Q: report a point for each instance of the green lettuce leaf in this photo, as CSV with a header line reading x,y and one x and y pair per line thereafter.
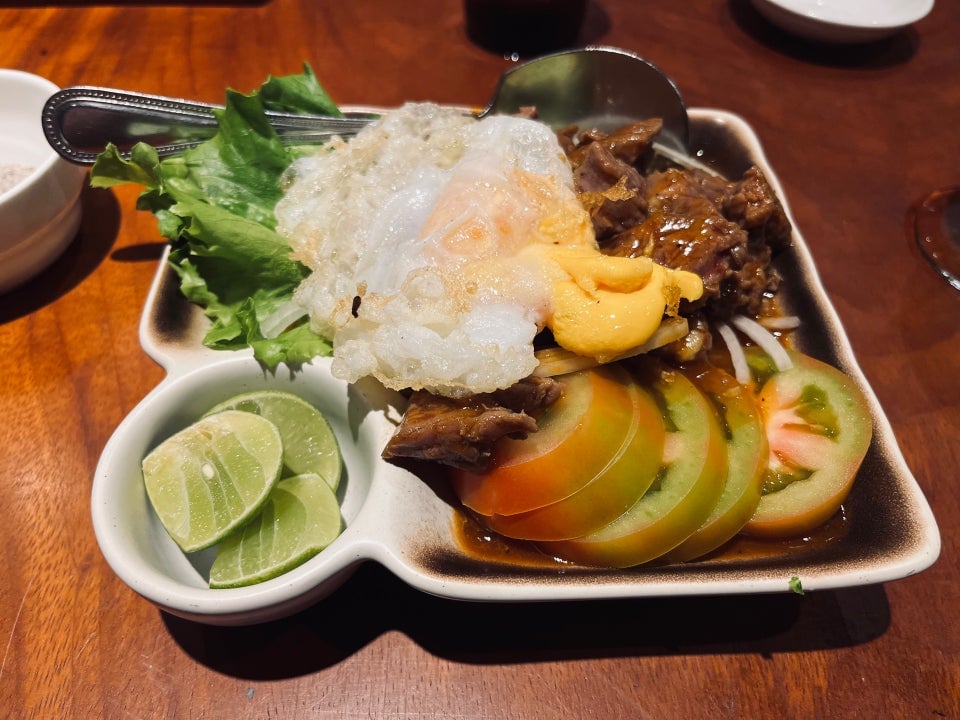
x,y
215,203
298,94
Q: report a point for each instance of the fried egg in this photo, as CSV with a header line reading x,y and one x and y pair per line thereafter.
x,y
440,245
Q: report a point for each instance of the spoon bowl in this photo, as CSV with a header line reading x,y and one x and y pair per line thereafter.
x,y
597,86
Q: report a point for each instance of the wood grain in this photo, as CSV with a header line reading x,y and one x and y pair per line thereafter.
x,y
856,134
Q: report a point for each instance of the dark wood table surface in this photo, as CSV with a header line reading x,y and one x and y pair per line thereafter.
x,y
855,134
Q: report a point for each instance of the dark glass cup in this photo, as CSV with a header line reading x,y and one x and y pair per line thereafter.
x,y
524,27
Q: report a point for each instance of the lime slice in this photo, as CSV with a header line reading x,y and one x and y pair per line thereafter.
x,y
309,445
210,478
299,519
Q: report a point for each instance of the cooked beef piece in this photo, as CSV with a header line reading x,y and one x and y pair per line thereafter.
x,y
605,172
530,395
567,137
461,433
750,202
753,204
724,231
685,228
628,143
610,190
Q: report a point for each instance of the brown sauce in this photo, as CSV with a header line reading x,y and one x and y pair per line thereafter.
x,y
482,544
743,547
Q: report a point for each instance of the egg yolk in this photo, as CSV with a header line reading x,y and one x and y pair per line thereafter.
x,y
604,306
601,305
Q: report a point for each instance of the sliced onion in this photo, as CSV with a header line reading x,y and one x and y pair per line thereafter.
x,y
684,160
559,361
740,368
786,322
767,342
281,318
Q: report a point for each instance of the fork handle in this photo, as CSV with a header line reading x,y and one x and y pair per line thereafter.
x,y
80,121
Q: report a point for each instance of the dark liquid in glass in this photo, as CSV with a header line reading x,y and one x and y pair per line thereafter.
x,y
524,27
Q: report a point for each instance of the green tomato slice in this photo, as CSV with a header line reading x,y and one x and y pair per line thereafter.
x,y
575,440
747,454
694,470
819,428
625,478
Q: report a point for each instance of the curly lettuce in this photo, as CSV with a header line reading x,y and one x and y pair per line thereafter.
x,y
215,204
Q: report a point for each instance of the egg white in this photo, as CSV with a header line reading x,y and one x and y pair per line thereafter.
x,y
423,217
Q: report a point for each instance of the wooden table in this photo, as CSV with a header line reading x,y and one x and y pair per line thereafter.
x,y
856,134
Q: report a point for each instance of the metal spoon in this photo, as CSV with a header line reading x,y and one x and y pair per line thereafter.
x,y
596,86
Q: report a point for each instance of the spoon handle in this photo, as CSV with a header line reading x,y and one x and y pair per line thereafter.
x,y
80,121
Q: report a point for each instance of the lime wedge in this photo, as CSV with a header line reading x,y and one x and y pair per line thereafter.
x,y
210,478
299,519
309,445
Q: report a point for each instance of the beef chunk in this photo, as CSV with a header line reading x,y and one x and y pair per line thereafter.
x,y
462,432
686,228
567,137
752,203
628,143
605,172
610,190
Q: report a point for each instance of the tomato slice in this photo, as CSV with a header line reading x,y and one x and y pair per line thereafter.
x,y
688,486
819,428
575,440
747,453
627,476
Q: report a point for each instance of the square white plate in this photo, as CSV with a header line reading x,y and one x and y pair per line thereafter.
x,y
407,522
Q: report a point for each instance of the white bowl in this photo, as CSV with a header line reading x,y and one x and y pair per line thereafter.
x,y
843,21
139,549
40,214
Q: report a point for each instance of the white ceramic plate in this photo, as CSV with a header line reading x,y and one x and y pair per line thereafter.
x,y
406,522
843,21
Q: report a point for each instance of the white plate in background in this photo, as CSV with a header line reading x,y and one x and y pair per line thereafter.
x,y
843,21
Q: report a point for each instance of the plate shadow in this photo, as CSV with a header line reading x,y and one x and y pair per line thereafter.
x,y
374,602
99,226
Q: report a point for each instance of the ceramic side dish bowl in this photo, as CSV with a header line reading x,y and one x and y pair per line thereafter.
x,y
39,191
843,21
409,524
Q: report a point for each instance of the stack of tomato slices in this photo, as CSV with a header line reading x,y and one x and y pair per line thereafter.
x,y
643,461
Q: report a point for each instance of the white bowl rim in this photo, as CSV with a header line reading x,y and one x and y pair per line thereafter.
x,y
910,12
52,158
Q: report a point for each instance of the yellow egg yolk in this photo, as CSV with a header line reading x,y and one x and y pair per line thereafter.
x,y
604,306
